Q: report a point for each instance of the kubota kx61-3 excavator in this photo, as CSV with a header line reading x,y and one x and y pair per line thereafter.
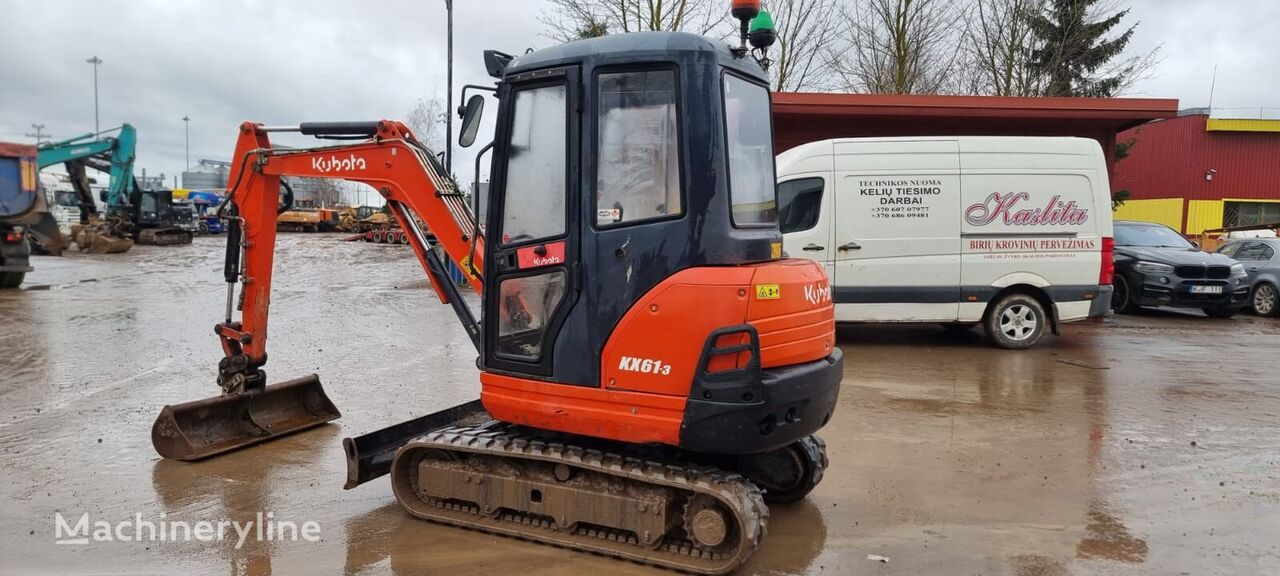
x,y
653,369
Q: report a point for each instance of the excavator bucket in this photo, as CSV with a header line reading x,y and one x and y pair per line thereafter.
x,y
164,236
204,428
46,238
96,238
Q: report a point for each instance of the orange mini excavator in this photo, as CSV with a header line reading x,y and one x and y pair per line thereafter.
x,y
653,369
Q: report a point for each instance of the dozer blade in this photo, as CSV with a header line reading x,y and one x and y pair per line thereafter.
x,y
164,236
369,456
204,428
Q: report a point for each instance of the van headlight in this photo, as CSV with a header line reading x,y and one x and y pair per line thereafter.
x,y
1237,269
1153,268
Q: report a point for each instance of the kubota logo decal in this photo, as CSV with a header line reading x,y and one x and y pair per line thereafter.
x,y
817,293
644,365
1001,206
334,163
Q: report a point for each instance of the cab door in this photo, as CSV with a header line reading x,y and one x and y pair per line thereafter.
x,y
532,246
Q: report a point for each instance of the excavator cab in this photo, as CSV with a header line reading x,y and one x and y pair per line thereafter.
x,y
652,367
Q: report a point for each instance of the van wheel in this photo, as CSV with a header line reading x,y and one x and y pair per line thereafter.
x,y
1121,299
1017,321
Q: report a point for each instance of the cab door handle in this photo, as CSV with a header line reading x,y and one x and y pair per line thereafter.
x,y
850,246
811,247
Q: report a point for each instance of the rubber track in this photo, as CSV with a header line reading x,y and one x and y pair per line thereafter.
x,y
743,498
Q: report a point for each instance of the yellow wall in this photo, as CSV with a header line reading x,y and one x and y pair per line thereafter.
x,y
1167,211
1203,215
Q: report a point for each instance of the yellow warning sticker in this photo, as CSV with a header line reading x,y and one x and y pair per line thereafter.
x,y
768,292
775,250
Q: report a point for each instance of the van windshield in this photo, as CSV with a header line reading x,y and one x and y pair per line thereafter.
x,y
1151,236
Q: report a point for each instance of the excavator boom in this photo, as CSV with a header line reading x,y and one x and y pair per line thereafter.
x,y
413,183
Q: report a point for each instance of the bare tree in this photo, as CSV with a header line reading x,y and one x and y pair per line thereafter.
x,y
576,19
426,118
807,31
999,40
901,47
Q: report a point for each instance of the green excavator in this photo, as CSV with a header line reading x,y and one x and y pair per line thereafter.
x,y
133,214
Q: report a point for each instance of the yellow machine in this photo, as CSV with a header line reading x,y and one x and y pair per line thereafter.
x,y
298,220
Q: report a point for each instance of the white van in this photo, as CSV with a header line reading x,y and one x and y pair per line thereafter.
x,y
1011,232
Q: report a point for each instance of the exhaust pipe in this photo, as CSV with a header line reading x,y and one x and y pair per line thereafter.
x,y
212,426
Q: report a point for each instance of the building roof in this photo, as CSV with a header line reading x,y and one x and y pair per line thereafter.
x,y
801,117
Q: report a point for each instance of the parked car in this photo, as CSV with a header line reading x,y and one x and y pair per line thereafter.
x,y
1156,266
1261,259
1013,233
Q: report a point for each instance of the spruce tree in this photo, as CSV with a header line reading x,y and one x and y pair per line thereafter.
x,y
1073,48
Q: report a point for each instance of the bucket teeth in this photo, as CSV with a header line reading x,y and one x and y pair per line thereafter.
x,y
204,428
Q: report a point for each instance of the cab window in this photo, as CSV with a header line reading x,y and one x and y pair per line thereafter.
x,y
533,205
749,142
638,174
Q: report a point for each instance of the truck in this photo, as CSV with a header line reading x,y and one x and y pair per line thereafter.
x,y
204,206
21,204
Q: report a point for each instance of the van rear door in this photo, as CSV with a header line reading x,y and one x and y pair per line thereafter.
x,y
1035,212
897,234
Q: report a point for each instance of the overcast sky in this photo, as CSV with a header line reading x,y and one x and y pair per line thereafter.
x,y
281,62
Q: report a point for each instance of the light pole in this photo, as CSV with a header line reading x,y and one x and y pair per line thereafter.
x,y
39,135
186,123
448,106
95,61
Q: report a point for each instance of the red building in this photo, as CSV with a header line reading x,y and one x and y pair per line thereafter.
x,y
1195,173
807,117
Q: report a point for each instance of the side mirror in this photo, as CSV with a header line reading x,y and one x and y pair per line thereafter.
x,y
1196,244
471,120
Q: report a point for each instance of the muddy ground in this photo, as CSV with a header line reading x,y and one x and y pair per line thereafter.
x,y
1143,445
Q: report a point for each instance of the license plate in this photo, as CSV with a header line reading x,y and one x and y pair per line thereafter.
x,y
1206,289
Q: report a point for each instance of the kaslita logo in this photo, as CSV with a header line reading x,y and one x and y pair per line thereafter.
x,y
1005,207
336,164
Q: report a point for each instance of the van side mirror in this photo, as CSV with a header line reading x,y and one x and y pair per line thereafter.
x,y
1196,244
471,120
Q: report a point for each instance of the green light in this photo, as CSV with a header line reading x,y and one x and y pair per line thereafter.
x,y
762,21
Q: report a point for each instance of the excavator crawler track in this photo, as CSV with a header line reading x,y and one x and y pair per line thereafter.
x,y
497,479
